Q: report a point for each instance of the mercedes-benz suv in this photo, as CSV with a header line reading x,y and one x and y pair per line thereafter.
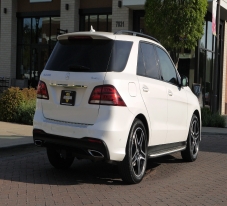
x,y
116,98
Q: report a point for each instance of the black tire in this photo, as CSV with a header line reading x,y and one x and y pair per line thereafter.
x,y
59,160
190,154
133,167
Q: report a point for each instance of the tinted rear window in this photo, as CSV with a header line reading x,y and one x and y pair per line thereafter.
x,y
89,56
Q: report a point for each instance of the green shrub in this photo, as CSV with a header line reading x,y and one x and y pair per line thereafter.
x,y
29,94
17,105
25,112
211,120
9,101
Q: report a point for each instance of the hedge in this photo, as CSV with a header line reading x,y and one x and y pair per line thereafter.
x,y
18,105
211,120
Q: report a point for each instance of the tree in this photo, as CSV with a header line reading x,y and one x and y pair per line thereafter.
x,y
177,24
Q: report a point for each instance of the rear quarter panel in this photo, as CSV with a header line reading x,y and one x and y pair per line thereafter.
x,y
127,80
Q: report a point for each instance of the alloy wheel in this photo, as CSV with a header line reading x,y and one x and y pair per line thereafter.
x,y
138,154
194,133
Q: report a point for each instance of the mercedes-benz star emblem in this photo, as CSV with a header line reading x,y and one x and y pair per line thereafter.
x,y
67,76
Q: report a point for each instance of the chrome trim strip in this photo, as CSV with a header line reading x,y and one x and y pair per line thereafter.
x,y
67,85
90,152
168,152
68,123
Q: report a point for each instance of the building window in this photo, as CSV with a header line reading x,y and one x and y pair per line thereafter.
x,y
206,63
98,22
36,39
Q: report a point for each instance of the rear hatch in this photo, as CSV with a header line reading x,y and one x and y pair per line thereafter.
x,y
77,64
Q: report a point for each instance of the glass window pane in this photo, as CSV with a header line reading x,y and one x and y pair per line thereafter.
x,y
55,26
26,35
102,22
140,63
203,39
75,55
209,36
120,54
44,30
207,86
86,23
167,68
24,63
35,25
202,72
89,56
142,25
94,22
152,70
109,23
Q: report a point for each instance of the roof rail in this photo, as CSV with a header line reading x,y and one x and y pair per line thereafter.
x,y
136,34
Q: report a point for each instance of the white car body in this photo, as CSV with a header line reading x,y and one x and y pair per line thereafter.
x,y
166,108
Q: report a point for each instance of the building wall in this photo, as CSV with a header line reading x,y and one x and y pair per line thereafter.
x,y
8,39
121,17
91,4
26,6
70,17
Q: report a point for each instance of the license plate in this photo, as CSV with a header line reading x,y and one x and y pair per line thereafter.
x,y
68,97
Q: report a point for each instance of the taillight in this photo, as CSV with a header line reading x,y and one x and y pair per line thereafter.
x,y
42,92
106,95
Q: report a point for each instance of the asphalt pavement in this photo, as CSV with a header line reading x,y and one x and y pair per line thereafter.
x,y
12,135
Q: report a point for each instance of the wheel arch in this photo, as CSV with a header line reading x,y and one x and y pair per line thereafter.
x,y
142,118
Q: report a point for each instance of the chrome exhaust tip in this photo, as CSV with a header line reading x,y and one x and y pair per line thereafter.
x,y
38,143
95,153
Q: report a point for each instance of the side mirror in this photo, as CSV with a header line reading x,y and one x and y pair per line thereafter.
x,y
184,81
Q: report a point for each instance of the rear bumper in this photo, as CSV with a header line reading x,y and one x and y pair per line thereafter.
x,y
81,148
112,127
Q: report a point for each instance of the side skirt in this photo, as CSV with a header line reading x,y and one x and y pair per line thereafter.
x,y
160,150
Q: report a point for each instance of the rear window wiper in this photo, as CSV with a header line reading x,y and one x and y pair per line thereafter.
x,y
78,68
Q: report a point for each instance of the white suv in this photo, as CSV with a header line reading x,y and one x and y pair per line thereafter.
x,y
117,98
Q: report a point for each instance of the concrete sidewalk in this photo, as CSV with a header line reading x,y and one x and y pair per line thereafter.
x,y
15,134
12,134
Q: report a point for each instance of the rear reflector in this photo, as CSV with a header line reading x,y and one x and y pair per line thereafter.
x,y
94,140
106,95
42,92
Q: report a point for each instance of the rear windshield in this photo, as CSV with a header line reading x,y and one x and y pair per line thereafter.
x,y
89,55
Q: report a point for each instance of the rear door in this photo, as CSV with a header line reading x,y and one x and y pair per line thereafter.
x,y
75,67
153,92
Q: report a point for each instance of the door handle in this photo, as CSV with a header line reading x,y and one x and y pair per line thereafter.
x,y
170,93
145,89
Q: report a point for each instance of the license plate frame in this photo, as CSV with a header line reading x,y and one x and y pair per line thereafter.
x,y
68,98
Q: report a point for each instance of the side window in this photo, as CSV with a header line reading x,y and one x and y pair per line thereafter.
x,y
150,62
167,68
140,63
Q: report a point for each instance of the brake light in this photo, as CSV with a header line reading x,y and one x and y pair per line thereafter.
x,y
106,95
42,92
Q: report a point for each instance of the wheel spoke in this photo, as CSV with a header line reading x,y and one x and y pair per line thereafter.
x,y
136,141
140,143
138,166
143,155
193,147
134,158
